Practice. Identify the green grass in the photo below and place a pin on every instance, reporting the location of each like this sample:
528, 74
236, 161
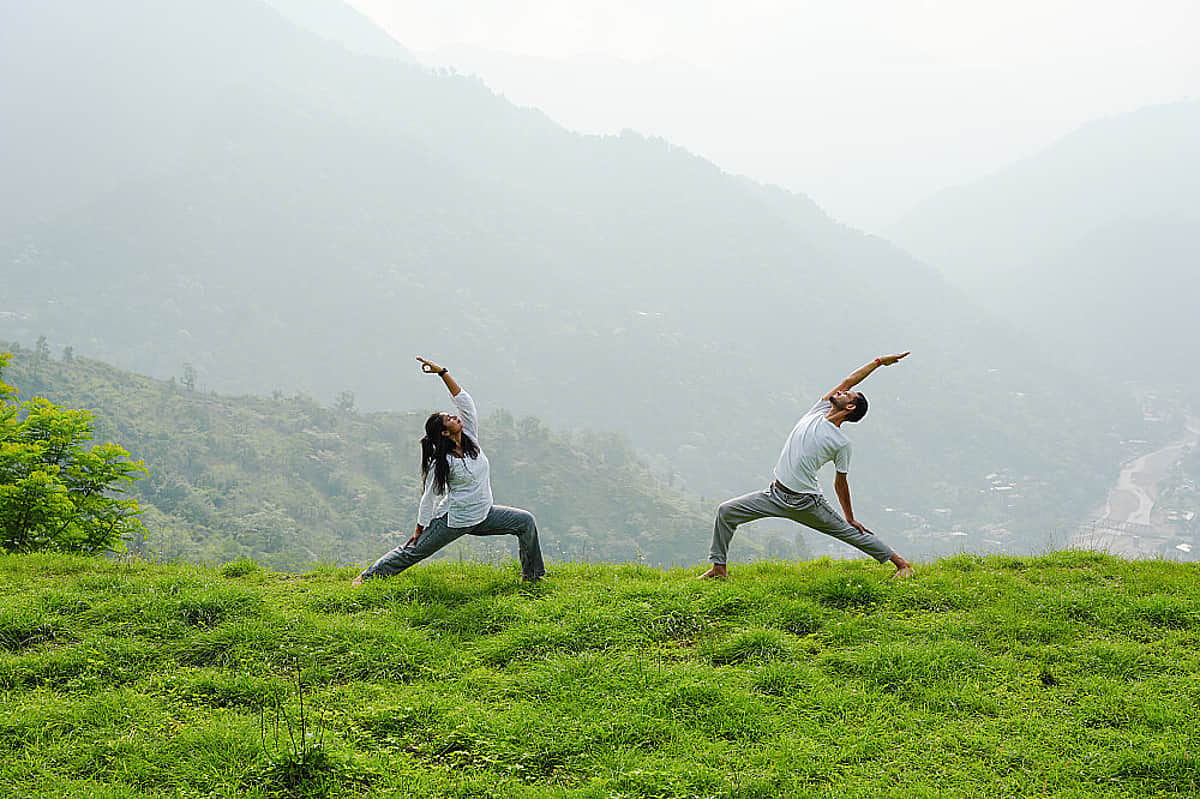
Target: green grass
1069, 675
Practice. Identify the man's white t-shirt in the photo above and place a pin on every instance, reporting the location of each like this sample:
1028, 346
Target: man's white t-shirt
813, 442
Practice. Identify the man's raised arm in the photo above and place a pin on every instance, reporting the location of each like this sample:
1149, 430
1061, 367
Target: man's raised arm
860, 374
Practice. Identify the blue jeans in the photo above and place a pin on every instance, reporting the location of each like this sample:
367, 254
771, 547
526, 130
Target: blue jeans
438, 534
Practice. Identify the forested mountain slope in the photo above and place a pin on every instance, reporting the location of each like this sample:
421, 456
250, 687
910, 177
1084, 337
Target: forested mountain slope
290, 482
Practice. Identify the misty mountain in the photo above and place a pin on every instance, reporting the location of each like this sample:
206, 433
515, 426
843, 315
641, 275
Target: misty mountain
1093, 243
96, 96
339, 22
210, 184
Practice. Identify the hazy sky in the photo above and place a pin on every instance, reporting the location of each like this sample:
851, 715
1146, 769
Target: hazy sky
865, 105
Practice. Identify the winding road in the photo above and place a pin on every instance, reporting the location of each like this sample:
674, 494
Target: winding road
1131, 501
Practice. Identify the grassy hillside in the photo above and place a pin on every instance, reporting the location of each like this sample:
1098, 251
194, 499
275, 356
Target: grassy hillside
1069, 675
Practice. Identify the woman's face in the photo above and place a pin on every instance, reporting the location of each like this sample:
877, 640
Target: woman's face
451, 424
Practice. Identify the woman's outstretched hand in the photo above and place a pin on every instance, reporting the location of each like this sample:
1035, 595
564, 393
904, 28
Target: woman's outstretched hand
429, 367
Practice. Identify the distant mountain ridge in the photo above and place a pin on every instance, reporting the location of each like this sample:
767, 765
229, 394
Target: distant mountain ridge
254, 201
342, 23
1093, 243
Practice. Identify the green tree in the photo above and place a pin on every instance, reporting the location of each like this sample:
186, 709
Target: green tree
41, 354
54, 493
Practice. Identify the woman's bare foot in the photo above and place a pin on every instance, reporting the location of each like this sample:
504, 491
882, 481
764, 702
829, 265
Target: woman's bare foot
357, 581
717, 572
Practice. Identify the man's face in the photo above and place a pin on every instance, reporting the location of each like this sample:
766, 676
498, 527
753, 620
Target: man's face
842, 400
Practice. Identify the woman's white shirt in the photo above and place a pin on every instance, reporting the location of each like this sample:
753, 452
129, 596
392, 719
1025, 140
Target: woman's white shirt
468, 496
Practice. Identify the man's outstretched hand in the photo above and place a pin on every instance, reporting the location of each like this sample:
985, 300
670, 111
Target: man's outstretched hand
888, 360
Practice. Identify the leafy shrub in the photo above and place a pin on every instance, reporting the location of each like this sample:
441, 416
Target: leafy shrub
54, 494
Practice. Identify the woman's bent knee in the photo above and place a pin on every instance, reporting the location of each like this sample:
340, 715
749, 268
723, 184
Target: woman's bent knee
520, 521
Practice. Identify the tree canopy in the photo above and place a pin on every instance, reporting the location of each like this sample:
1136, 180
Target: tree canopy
55, 493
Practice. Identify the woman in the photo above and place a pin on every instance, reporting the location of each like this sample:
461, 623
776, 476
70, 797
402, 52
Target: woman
454, 468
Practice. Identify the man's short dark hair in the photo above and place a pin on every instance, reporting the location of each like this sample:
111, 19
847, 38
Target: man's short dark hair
860, 408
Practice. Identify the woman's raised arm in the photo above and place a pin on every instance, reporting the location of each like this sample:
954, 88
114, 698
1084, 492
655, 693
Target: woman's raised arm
431, 368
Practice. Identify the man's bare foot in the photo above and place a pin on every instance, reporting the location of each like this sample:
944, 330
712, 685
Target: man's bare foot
357, 581
717, 572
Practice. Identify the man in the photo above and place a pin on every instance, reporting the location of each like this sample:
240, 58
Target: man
815, 440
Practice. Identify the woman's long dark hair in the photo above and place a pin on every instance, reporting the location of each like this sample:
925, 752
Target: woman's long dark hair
436, 449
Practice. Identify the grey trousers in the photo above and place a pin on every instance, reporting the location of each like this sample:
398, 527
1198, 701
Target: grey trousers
500, 520
809, 509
